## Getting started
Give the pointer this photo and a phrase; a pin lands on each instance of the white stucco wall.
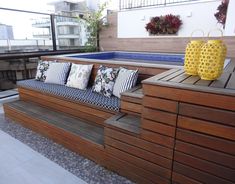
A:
(197, 15)
(230, 22)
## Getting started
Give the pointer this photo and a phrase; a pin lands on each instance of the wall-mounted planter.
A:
(164, 25)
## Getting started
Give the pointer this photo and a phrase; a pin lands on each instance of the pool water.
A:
(153, 58)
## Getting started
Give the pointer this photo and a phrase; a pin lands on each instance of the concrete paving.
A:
(22, 165)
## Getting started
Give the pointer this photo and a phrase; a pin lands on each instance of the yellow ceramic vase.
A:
(192, 56)
(211, 60)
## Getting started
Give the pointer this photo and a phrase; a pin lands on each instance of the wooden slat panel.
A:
(206, 154)
(203, 82)
(140, 143)
(163, 164)
(196, 97)
(164, 74)
(230, 67)
(210, 142)
(162, 104)
(158, 127)
(149, 166)
(131, 99)
(207, 113)
(140, 163)
(160, 116)
(75, 109)
(137, 108)
(214, 169)
(135, 92)
(172, 75)
(207, 127)
(231, 82)
(135, 173)
(191, 80)
(158, 138)
(180, 78)
(181, 179)
(198, 175)
(221, 82)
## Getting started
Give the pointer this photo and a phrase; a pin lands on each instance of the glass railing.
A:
(25, 31)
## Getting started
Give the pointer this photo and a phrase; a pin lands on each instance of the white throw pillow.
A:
(79, 76)
(126, 79)
(57, 73)
(42, 69)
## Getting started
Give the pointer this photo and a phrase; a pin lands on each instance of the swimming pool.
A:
(137, 57)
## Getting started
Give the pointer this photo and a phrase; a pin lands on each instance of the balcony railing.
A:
(38, 32)
(130, 4)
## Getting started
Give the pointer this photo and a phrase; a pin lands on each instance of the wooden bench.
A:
(176, 129)
(85, 111)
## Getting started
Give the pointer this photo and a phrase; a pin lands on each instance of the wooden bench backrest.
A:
(144, 71)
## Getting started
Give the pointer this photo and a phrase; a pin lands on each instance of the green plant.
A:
(93, 23)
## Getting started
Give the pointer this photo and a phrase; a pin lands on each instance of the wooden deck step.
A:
(125, 122)
(65, 122)
(131, 101)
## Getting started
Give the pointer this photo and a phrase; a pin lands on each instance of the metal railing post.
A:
(53, 32)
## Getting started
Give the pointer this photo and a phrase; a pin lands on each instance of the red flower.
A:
(222, 12)
(168, 24)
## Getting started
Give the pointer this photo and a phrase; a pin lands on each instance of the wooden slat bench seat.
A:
(84, 104)
(73, 133)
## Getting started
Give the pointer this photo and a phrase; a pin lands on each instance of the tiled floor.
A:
(19, 164)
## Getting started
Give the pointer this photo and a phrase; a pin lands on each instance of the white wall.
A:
(230, 22)
(197, 15)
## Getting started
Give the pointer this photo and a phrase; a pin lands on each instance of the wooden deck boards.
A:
(124, 122)
(61, 120)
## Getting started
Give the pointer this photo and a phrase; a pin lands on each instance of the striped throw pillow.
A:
(57, 73)
(126, 79)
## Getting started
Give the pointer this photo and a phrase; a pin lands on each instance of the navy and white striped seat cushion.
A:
(85, 96)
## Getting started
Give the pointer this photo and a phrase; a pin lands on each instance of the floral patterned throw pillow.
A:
(42, 68)
(79, 76)
(105, 80)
